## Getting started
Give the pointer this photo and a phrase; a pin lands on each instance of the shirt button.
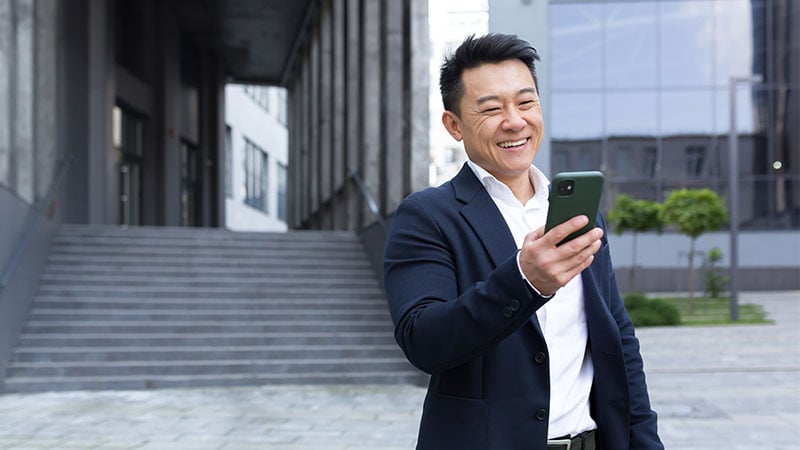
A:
(541, 415)
(507, 312)
(540, 357)
(514, 305)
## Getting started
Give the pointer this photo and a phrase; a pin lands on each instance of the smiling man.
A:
(528, 344)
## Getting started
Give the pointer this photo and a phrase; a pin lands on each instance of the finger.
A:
(585, 240)
(561, 231)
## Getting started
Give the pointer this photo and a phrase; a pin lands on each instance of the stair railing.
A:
(32, 220)
(373, 207)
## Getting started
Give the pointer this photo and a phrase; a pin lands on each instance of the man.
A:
(528, 344)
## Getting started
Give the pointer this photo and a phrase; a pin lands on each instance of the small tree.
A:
(694, 212)
(637, 216)
(716, 279)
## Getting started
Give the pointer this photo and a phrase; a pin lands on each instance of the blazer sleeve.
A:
(643, 420)
(439, 323)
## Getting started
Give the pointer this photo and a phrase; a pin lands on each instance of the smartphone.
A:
(573, 194)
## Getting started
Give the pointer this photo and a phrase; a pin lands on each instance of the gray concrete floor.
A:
(731, 387)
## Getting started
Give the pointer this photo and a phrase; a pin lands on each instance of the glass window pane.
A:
(631, 158)
(687, 112)
(576, 36)
(735, 50)
(639, 190)
(576, 115)
(631, 113)
(570, 155)
(685, 159)
(749, 109)
(630, 44)
(686, 43)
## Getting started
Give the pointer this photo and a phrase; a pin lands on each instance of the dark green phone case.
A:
(584, 199)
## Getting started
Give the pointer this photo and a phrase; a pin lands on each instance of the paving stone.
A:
(731, 387)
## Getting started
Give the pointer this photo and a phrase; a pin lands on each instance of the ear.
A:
(452, 124)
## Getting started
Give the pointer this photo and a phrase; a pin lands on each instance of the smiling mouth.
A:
(513, 144)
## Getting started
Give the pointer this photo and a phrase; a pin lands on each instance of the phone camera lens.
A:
(565, 187)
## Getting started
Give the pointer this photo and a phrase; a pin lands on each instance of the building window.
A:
(282, 106)
(258, 94)
(649, 162)
(228, 162)
(256, 176)
(282, 180)
(695, 158)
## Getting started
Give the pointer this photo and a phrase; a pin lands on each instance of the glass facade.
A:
(641, 91)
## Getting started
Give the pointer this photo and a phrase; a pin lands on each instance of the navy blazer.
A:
(463, 314)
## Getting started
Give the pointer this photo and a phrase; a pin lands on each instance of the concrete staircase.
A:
(143, 308)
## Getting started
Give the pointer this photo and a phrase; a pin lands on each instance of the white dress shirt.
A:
(562, 319)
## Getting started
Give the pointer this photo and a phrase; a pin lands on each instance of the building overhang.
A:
(257, 40)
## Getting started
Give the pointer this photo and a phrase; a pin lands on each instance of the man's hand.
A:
(548, 267)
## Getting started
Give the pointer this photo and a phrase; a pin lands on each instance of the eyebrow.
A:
(487, 98)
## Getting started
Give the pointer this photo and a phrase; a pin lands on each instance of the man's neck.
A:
(521, 187)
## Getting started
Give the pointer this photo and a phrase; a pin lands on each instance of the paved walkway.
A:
(733, 387)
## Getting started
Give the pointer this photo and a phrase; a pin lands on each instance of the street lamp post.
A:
(733, 188)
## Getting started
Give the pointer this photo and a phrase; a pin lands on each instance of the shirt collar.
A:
(541, 184)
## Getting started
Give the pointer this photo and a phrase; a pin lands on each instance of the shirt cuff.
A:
(529, 282)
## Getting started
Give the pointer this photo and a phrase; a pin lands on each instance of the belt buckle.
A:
(567, 443)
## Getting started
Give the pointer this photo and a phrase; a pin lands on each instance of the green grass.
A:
(717, 311)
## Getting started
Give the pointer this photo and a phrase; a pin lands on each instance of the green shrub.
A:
(646, 312)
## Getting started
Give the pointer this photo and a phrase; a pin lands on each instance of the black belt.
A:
(583, 441)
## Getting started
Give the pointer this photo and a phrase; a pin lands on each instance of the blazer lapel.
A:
(482, 215)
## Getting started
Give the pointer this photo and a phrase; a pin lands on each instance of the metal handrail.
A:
(373, 207)
(30, 224)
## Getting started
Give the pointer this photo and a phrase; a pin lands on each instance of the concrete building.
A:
(256, 158)
(640, 91)
(119, 107)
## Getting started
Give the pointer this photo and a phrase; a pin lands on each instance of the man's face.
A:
(499, 120)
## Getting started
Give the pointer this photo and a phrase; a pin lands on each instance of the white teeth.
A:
(512, 144)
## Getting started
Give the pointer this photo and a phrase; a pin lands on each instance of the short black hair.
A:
(474, 51)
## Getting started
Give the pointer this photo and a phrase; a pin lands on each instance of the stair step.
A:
(251, 352)
(224, 315)
(209, 304)
(127, 382)
(205, 326)
(145, 307)
(317, 337)
(221, 367)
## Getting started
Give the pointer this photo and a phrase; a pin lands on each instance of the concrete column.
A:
(73, 110)
(338, 113)
(169, 116)
(305, 186)
(100, 102)
(325, 123)
(7, 64)
(371, 137)
(418, 152)
(22, 133)
(353, 88)
(395, 106)
(46, 106)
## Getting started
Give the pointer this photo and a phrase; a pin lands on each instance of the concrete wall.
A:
(662, 260)
(17, 296)
(358, 99)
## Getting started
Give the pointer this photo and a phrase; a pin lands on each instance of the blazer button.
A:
(507, 312)
(540, 357)
(541, 415)
(514, 305)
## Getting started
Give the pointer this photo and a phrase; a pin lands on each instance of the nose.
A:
(513, 120)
